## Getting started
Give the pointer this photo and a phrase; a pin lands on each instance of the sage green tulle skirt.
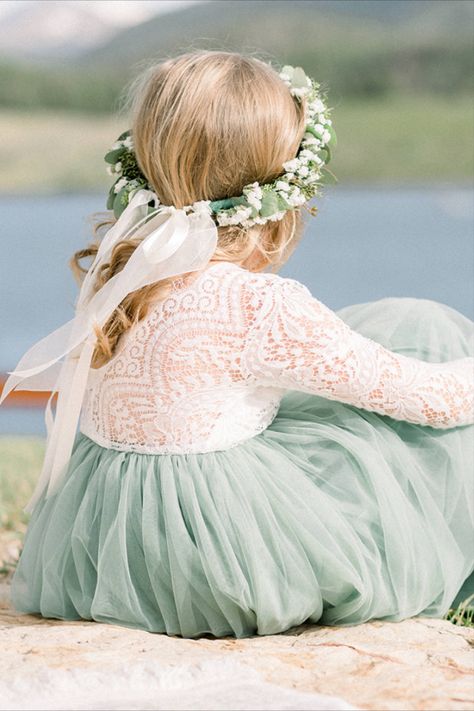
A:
(333, 515)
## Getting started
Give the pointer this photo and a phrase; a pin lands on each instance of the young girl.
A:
(247, 459)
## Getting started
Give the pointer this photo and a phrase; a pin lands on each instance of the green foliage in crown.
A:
(258, 204)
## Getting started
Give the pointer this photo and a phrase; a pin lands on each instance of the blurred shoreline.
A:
(404, 141)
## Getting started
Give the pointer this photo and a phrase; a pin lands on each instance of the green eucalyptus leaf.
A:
(111, 198)
(218, 205)
(326, 158)
(227, 203)
(282, 204)
(124, 135)
(327, 177)
(269, 204)
(113, 157)
(333, 141)
(316, 134)
(121, 202)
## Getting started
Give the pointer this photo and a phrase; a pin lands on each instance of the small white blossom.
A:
(282, 185)
(326, 136)
(128, 143)
(296, 197)
(202, 206)
(118, 167)
(304, 171)
(300, 91)
(277, 216)
(306, 153)
(223, 219)
(317, 106)
(254, 195)
(254, 201)
(241, 213)
(292, 165)
(120, 184)
(310, 140)
(117, 144)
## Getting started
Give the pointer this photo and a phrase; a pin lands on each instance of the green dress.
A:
(327, 509)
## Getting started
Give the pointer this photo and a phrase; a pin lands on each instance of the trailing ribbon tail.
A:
(172, 243)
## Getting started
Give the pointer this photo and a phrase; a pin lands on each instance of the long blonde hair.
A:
(205, 124)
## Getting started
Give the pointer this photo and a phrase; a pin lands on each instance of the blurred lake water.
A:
(365, 244)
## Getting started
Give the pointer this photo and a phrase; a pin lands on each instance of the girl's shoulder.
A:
(230, 275)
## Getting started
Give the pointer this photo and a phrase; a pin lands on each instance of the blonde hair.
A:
(205, 124)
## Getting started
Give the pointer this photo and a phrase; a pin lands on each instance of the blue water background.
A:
(365, 244)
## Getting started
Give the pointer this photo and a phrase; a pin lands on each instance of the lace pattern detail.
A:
(176, 384)
(208, 366)
(301, 344)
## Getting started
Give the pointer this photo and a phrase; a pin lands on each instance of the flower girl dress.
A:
(249, 460)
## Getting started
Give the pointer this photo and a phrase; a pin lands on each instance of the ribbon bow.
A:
(172, 243)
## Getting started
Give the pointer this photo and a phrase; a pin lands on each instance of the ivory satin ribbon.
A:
(172, 243)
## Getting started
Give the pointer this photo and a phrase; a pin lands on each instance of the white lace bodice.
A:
(208, 366)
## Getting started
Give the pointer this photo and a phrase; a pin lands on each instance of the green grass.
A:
(463, 614)
(20, 462)
(392, 140)
(49, 152)
(409, 139)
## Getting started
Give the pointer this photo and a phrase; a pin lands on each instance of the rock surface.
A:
(420, 663)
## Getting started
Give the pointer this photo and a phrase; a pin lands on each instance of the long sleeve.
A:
(298, 343)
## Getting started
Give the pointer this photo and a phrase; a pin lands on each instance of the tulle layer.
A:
(332, 515)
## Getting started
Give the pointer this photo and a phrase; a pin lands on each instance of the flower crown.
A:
(259, 203)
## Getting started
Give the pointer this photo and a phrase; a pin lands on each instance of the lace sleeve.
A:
(298, 343)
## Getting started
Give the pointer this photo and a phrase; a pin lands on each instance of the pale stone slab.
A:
(420, 663)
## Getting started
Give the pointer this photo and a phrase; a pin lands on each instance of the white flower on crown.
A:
(202, 206)
(300, 91)
(310, 140)
(241, 214)
(254, 194)
(128, 143)
(277, 216)
(257, 221)
(296, 197)
(307, 154)
(118, 167)
(317, 106)
(282, 185)
(292, 165)
(120, 184)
